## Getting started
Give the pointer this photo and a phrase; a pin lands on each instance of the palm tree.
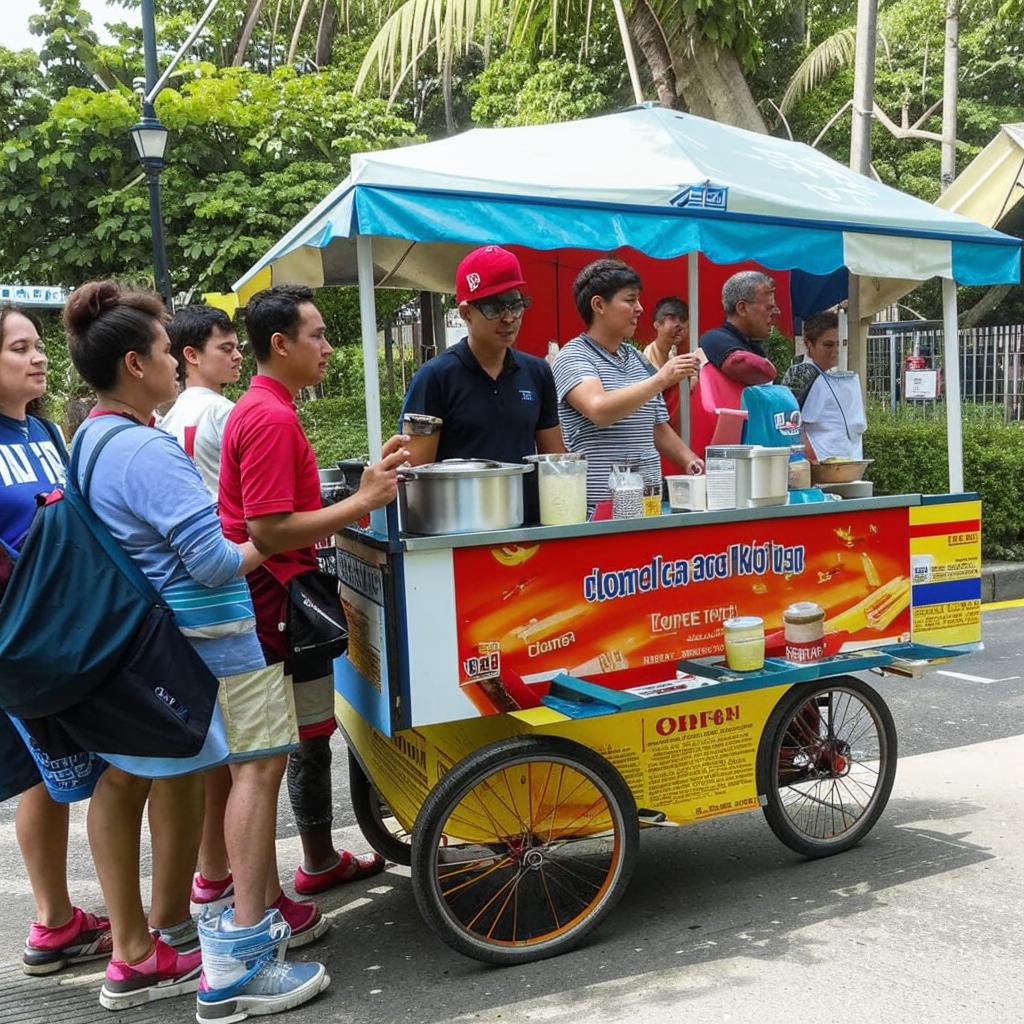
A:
(683, 54)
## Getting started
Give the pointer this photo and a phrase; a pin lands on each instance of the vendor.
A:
(495, 402)
(672, 337)
(610, 404)
(737, 347)
(831, 402)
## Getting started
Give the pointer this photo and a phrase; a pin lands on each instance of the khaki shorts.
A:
(259, 713)
(313, 687)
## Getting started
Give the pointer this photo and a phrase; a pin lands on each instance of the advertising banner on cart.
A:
(590, 605)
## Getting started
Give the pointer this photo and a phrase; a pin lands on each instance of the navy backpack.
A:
(90, 655)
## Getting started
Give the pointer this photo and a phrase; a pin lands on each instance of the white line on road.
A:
(974, 679)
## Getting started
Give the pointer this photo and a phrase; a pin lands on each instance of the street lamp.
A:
(150, 138)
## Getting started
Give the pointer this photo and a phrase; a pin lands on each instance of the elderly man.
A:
(737, 347)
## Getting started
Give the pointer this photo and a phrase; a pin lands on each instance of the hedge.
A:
(910, 457)
(909, 452)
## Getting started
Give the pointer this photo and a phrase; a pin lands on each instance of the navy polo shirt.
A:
(720, 342)
(485, 418)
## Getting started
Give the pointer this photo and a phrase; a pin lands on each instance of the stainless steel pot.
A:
(461, 496)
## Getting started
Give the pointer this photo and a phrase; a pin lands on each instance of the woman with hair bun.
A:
(150, 496)
(61, 934)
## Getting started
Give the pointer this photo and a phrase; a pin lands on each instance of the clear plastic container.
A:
(562, 488)
(744, 643)
(626, 488)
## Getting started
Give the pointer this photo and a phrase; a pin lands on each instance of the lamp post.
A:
(150, 138)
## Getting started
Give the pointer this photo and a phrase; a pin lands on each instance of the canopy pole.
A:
(692, 303)
(368, 323)
(951, 372)
(627, 46)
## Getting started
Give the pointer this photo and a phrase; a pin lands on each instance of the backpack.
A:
(90, 655)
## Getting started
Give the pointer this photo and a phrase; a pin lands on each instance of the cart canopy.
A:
(661, 181)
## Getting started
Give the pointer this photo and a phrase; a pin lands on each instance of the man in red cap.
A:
(495, 403)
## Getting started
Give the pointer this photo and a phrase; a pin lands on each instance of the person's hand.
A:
(676, 369)
(379, 484)
(694, 465)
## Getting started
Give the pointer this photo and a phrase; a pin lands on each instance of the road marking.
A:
(997, 606)
(974, 679)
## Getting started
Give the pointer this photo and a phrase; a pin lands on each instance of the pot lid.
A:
(456, 469)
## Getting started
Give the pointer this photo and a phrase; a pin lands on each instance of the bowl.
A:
(843, 471)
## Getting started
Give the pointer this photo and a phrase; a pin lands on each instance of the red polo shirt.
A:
(267, 467)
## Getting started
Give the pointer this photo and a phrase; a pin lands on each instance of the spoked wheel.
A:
(522, 848)
(826, 765)
(383, 831)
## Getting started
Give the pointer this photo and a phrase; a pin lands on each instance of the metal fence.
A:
(991, 365)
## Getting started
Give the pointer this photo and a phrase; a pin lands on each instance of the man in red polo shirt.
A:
(270, 491)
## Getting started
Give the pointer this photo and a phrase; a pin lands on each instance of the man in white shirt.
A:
(209, 357)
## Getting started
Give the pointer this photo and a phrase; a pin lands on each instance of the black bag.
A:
(316, 626)
(104, 668)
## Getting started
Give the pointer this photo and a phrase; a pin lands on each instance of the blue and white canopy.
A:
(660, 181)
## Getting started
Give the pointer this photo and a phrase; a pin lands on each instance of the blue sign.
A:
(702, 197)
(34, 295)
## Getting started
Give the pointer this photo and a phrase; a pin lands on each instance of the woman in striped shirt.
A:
(609, 401)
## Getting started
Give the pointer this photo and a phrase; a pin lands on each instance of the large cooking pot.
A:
(461, 496)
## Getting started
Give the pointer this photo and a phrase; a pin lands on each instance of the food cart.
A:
(520, 704)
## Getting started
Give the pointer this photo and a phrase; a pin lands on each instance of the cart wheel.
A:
(381, 828)
(826, 765)
(522, 848)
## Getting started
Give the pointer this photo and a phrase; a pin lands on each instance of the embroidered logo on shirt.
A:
(526, 395)
(473, 280)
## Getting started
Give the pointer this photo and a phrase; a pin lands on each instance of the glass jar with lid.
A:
(626, 488)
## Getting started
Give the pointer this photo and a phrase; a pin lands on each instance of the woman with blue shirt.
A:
(609, 401)
(150, 496)
(32, 462)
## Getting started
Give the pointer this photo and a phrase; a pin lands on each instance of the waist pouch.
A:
(316, 625)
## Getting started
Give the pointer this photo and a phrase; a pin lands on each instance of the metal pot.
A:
(461, 496)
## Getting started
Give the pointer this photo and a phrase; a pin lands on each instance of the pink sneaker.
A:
(304, 918)
(84, 937)
(164, 973)
(351, 867)
(211, 896)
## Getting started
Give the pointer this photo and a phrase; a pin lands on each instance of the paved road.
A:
(921, 923)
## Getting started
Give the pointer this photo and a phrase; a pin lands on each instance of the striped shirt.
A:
(631, 437)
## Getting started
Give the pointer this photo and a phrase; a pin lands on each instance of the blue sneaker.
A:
(244, 973)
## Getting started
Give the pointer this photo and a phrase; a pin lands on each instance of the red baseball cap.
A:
(487, 271)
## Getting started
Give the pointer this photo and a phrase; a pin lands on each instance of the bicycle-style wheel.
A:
(826, 765)
(383, 831)
(522, 848)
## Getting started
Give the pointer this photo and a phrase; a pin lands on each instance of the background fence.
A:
(991, 365)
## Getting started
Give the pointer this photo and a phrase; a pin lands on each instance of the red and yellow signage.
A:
(589, 605)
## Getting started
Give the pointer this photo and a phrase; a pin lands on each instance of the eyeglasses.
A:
(492, 309)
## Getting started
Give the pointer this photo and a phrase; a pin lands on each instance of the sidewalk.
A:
(922, 922)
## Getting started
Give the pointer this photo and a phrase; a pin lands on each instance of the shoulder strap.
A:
(57, 437)
(76, 451)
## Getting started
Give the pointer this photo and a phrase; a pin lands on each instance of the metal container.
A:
(461, 496)
(762, 474)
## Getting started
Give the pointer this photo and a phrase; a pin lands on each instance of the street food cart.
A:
(520, 704)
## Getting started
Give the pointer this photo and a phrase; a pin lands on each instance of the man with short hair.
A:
(672, 338)
(737, 347)
(209, 356)
(495, 402)
(270, 491)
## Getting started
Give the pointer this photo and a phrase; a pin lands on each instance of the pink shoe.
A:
(164, 973)
(211, 896)
(304, 918)
(351, 867)
(84, 937)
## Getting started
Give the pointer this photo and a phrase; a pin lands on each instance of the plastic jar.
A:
(626, 486)
(804, 625)
(744, 643)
